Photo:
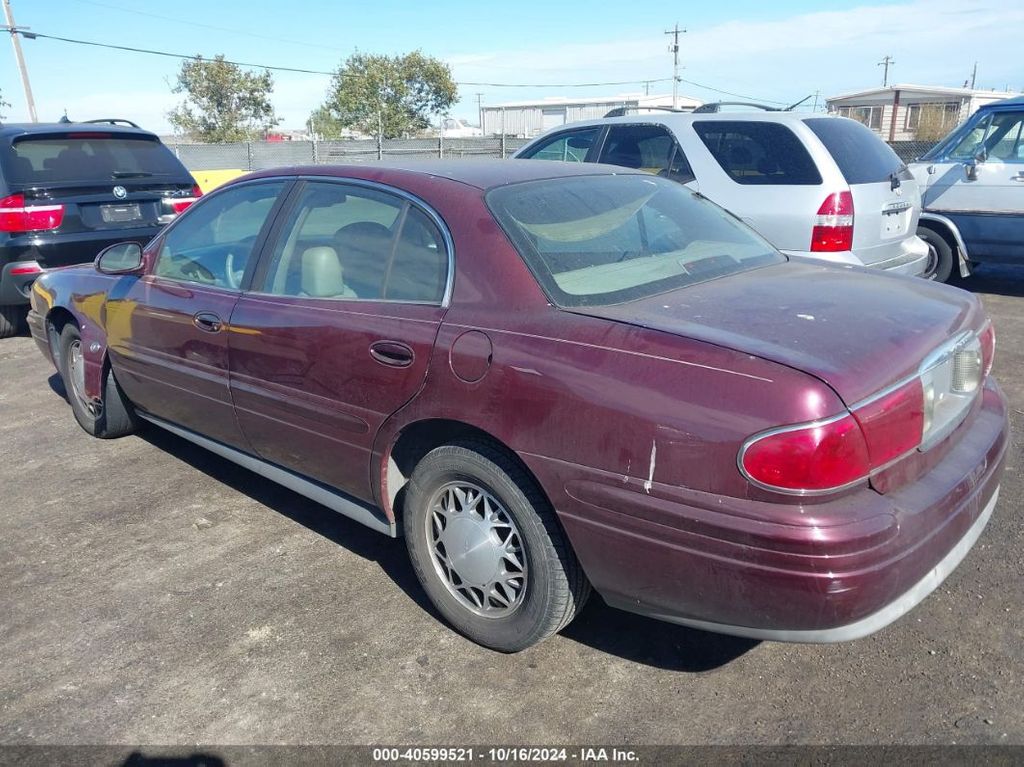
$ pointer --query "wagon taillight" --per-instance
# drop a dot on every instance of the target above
(833, 226)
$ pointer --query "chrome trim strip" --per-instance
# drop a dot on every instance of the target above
(332, 499)
(858, 629)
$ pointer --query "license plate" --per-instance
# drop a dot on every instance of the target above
(895, 222)
(117, 214)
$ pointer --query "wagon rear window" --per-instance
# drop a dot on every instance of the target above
(598, 240)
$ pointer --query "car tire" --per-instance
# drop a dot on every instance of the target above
(114, 415)
(940, 265)
(505, 533)
(11, 319)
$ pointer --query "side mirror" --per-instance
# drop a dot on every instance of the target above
(981, 155)
(121, 258)
(971, 169)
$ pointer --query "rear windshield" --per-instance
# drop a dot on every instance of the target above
(599, 240)
(88, 157)
(758, 152)
(862, 157)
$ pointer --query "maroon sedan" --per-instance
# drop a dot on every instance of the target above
(551, 377)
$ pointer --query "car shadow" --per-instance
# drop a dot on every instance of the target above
(994, 279)
(628, 636)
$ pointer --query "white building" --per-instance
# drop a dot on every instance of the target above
(894, 112)
(529, 118)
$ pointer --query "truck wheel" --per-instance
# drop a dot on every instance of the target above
(113, 416)
(940, 255)
(11, 318)
(488, 550)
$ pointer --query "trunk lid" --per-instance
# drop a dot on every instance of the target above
(857, 331)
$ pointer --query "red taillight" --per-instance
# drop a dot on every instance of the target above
(180, 204)
(833, 226)
(988, 348)
(813, 458)
(29, 267)
(15, 216)
(893, 424)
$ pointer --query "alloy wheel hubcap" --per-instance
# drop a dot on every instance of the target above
(476, 549)
(933, 263)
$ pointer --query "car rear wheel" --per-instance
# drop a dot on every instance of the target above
(11, 319)
(111, 417)
(940, 255)
(488, 550)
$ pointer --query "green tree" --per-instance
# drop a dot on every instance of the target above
(325, 125)
(222, 102)
(390, 95)
(3, 103)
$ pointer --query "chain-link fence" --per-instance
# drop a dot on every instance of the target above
(257, 155)
(909, 151)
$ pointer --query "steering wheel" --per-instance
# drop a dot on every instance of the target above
(233, 276)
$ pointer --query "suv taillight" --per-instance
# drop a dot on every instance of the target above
(181, 204)
(828, 455)
(833, 226)
(15, 216)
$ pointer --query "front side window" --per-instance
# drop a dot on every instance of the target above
(571, 146)
(349, 242)
(599, 240)
(757, 152)
(213, 242)
(647, 147)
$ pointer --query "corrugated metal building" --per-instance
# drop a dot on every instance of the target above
(894, 112)
(529, 118)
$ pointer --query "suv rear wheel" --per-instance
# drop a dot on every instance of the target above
(11, 319)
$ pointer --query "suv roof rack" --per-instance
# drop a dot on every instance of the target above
(623, 111)
(716, 106)
(113, 121)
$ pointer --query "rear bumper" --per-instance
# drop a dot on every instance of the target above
(911, 258)
(852, 566)
(55, 250)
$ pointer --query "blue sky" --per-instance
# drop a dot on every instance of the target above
(778, 51)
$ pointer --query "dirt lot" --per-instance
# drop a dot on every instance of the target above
(153, 593)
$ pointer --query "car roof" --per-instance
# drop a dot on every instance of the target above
(1016, 101)
(479, 173)
(676, 119)
(11, 130)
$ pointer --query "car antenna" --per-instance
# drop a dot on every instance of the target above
(791, 107)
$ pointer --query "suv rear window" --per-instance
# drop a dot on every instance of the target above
(599, 240)
(862, 157)
(758, 152)
(49, 158)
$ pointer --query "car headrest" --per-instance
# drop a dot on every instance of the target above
(322, 273)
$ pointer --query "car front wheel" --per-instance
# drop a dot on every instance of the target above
(488, 550)
(109, 418)
(940, 255)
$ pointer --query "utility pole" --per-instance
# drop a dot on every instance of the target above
(15, 31)
(480, 109)
(887, 62)
(675, 32)
(974, 75)
(814, 107)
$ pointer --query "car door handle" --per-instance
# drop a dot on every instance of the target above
(1018, 177)
(208, 322)
(392, 353)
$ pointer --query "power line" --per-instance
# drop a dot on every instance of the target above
(199, 24)
(187, 56)
(730, 93)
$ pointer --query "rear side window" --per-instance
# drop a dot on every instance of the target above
(88, 157)
(758, 152)
(862, 157)
(646, 147)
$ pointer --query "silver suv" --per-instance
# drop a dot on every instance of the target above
(816, 186)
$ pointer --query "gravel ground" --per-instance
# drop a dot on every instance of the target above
(153, 593)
